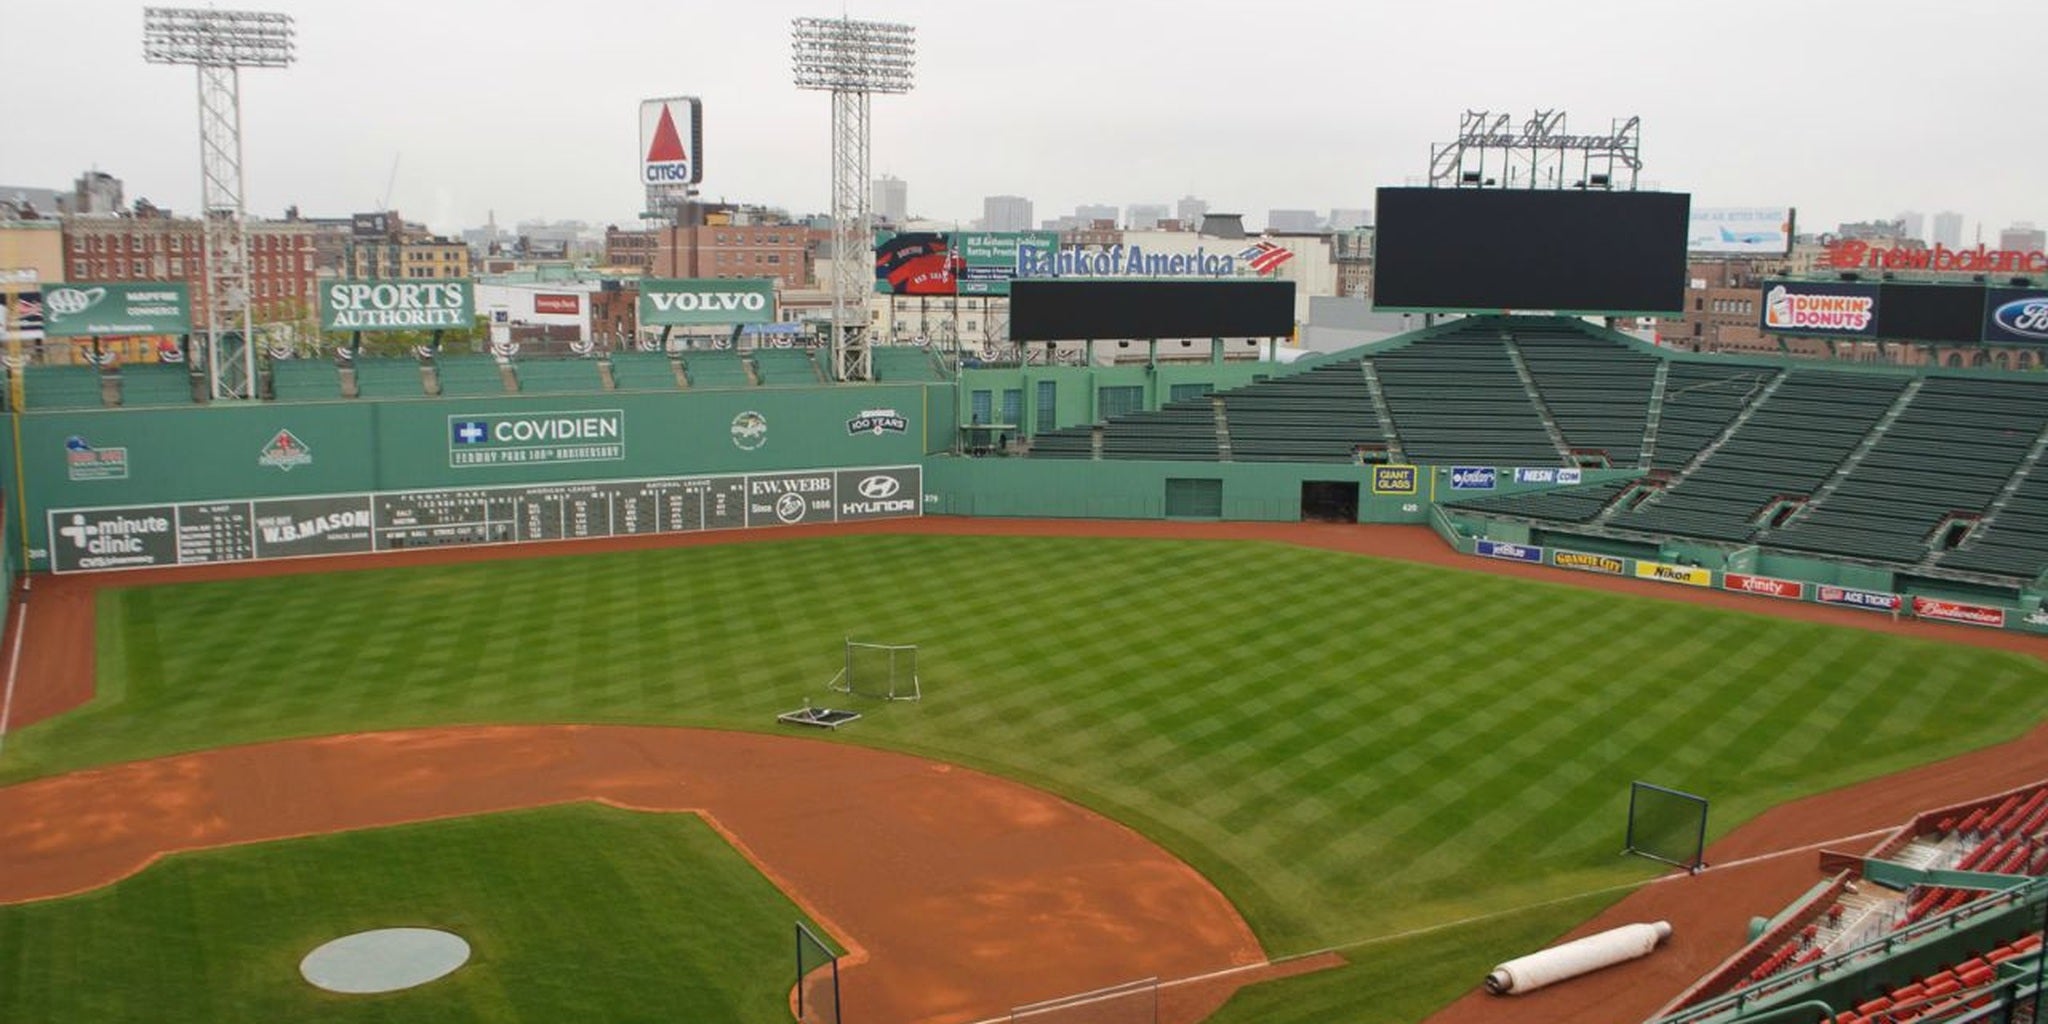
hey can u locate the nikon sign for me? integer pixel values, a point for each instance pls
(673, 302)
(396, 305)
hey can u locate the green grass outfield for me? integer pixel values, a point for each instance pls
(578, 913)
(1348, 747)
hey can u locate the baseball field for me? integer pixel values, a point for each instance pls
(1358, 753)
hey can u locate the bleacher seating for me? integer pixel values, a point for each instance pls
(388, 377)
(1786, 449)
(469, 376)
(1181, 430)
(1562, 505)
(1322, 415)
(1456, 398)
(1070, 443)
(61, 387)
(557, 376)
(715, 368)
(642, 371)
(1597, 390)
(1700, 400)
(155, 384)
(904, 363)
(1949, 452)
(787, 366)
(303, 380)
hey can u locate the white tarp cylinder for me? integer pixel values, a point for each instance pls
(1544, 967)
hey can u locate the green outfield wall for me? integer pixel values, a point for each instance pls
(223, 452)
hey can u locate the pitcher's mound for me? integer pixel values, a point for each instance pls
(384, 960)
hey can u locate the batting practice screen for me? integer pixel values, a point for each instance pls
(1043, 310)
(1480, 250)
(1667, 825)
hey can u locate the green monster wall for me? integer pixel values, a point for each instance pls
(102, 458)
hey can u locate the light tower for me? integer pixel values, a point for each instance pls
(851, 59)
(219, 44)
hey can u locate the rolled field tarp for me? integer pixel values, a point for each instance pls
(1579, 956)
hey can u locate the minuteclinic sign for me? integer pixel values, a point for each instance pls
(683, 302)
(395, 305)
(591, 435)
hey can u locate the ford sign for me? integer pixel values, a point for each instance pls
(2026, 317)
(1473, 478)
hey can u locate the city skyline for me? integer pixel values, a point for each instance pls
(457, 109)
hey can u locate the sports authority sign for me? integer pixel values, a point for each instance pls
(687, 302)
(524, 439)
(97, 310)
(396, 305)
(671, 142)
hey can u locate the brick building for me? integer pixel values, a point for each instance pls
(782, 252)
(151, 245)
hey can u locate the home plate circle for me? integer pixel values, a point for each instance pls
(384, 960)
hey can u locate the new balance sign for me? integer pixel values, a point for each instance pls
(1473, 478)
(681, 302)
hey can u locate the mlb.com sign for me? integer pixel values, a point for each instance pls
(684, 302)
(590, 435)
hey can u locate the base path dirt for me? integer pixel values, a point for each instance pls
(960, 894)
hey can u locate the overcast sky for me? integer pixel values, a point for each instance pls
(1846, 110)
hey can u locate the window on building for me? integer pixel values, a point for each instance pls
(774, 257)
(1116, 401)
(1698, 304)
(1048, 406)
(1013, 406)
(177, 267)
(138, 268)
(980, 404)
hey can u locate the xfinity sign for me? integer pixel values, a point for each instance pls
(668, 302)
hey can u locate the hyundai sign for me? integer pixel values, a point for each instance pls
(671, 142)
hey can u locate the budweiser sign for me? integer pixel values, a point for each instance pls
(1765, 585)
(1856, 254)
(1952, 611)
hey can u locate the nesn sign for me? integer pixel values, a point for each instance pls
(1473, 478)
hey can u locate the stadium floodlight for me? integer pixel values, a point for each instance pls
(851, 60)
(219, 44)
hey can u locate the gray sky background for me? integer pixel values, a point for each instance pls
(1846, 110)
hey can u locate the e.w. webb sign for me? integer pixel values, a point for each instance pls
(395, 305)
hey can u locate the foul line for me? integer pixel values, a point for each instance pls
(13, 668)
(1084, 998)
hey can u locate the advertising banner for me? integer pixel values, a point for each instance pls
(1393, 479)
(98, 310)
(1510, 552)
(1739, 230)
(1547, 475)
(195, 533)
(396, 305)
(564, 304)
(916, 263)
(1791, 590)
(1585, 562)
(1954, 611)
(1687, 575)
(1846, 309)
(1869, 599)
(1473, 478)
(671, 142)
(2016, 315)
(988, 259)
(693, 302)
(2036, 620)
(519, 439)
